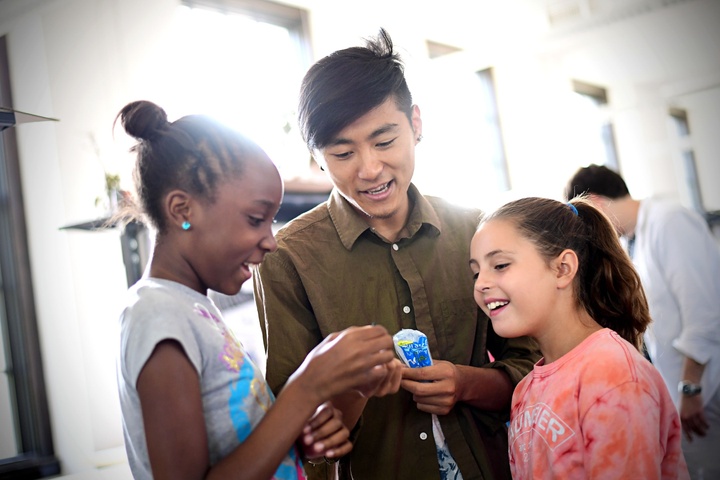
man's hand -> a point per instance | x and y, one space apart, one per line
692 416
436 389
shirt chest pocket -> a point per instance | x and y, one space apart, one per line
456 329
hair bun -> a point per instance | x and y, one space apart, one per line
143 119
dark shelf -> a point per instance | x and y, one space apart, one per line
97 224
133 242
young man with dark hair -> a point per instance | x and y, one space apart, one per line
378 251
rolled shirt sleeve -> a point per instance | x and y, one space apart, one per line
679 264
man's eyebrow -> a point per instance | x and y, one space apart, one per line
339 141
374 134
383 129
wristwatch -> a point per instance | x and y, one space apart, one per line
689 389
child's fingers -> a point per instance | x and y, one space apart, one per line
322 414
339 451
335 445
324 431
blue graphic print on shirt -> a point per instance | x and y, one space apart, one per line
250 397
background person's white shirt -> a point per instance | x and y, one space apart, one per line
678 261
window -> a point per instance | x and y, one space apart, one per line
492 148
679 119
594 135
462 131
26 449
240 61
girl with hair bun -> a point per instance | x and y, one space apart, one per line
593 406
194 404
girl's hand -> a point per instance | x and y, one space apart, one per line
387 385
325 435
346 360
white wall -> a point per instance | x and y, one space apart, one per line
82 60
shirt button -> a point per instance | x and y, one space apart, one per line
406 309
423 436
395 247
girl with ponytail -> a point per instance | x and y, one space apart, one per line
593 407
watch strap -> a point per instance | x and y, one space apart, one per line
689 389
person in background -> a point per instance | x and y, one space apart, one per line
678 261
380 252
193 403
593 407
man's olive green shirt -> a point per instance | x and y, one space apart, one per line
331 271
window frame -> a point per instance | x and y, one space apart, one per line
491 116
599 96
683 140
294 19
36 458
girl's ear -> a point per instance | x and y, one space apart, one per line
566 267
178 208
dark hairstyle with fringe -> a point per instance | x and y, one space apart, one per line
191 154
606 285
596 180
345 85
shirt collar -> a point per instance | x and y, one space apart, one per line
350 223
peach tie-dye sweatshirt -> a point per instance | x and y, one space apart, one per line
601 411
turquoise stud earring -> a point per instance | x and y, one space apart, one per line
186 225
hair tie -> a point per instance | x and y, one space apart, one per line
573 208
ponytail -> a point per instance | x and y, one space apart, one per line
608 285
